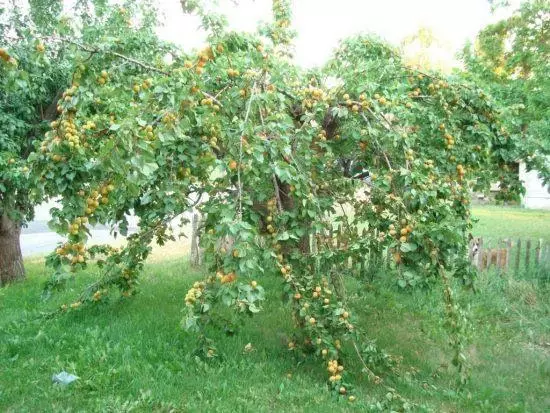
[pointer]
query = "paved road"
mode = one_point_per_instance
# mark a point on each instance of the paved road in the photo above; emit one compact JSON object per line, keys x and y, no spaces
{"x":38,"y":239}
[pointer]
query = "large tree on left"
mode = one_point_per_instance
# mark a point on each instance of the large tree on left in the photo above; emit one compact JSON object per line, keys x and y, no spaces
{"x":30,"y":77}
{"x":35,"y":68}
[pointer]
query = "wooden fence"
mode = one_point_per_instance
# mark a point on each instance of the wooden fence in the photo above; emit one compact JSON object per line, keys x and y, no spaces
{"x":520,"y":256}
{"x":508,"y":255}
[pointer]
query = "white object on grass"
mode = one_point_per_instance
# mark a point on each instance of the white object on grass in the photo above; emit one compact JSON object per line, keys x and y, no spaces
{"x":64,"y":378}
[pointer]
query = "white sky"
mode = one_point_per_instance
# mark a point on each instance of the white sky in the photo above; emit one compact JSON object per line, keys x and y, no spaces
{"x":322,"y":23}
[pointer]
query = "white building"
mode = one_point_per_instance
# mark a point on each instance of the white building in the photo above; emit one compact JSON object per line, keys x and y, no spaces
{"x":536,"y":195}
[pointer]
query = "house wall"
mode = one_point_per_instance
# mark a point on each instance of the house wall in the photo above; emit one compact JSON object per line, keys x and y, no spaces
{"x":536,"y":195}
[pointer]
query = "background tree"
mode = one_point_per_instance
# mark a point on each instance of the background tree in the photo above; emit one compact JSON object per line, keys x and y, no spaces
{"x":511,"y":59}
{"x":423,"y":50}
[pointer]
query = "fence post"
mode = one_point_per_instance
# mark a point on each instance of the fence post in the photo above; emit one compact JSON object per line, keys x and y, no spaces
{"x":537,"y":252}
{"x":508,"y":252}
{"x":518,"y":256}
{"x":480,"y":255}
{"x":499,"y":257}
{"x":527,"y":253}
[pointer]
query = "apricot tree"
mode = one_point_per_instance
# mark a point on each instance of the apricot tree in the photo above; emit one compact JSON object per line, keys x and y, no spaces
{"x":34,"y":71}
{"x":268,"y":151}
{"x":28,"y":87}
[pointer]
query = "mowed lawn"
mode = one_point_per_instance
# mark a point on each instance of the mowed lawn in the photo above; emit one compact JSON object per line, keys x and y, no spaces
{"x":132,"y":355}
{"x":500,"y":222}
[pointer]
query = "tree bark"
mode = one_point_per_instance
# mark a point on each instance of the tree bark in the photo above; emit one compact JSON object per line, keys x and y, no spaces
{"x":11,"y":259}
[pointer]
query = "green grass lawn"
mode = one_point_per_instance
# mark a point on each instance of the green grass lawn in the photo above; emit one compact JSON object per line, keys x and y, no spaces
{"x":506,"y":222}
{"x":131,"y":355}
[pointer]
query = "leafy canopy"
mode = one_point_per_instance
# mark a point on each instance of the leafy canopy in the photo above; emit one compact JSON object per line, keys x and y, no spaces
{"x":35,"y":68}
{"x":267,"y":152}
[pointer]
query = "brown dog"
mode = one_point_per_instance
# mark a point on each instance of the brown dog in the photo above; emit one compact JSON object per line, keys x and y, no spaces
{"x":494,"y":256}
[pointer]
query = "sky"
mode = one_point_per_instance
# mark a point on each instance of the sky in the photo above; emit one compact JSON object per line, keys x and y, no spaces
{"x":322,"y":23}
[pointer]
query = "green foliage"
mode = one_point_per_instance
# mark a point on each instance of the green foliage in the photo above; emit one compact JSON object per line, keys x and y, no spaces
{"x":511,"y":60}
{"x":35,"y":68}
{"x":30,"y":77}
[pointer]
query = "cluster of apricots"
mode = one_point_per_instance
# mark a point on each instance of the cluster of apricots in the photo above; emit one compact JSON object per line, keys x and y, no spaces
{"x":204,"y":56}
{"x":440,"y":84}
{"x":461,"y":171}
{"x":194,"y":293}
{"x":335,"y":371}
{"x":169,"y":118}
{"x":98,"y":295}
{"x":311,"y":95}
{"x":226,"y":278}
{"x":97,"y":197}
{"x":146,"y":84}
{"x":73,"y":252}
{"x":403,"y":233}
{"x":356,"y":106}
{"x":4,"y":55}
{"x":272,"y":210}
{"x":103,"y":77}
{"x":67,"y":131}
{"x":149,"y":133}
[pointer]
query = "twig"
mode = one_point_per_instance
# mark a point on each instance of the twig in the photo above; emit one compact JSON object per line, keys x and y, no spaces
{"x":277,"y":194}
{"x":365,"y":367}
{"x":93,"y":50}
{"x":378,"y":118}
{"x":376,"y":141}
{"x":137,"y":62}
{"x":208,"y":95}
{"x":221,"y":91}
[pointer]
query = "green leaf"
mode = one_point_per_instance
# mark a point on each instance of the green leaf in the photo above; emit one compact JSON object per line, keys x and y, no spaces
{"x":408,"y":247}
{"x":149,"y":168}
{"x":253,"y":308}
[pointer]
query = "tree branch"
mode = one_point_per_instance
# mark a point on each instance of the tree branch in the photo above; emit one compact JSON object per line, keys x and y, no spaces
{"x":376,"y":141}
{"x":93,"y":50}
{"x":208,"y":95}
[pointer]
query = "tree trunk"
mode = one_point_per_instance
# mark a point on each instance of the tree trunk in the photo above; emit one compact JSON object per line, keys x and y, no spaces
{"x":11,"y":259}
